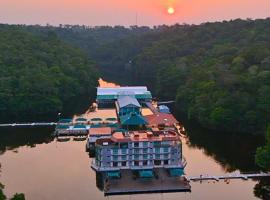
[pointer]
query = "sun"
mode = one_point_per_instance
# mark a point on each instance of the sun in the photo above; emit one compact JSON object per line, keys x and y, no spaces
{"x":170,"y":10}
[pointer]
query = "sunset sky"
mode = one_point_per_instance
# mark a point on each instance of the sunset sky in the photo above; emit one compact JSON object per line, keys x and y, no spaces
{"x":123,"y":12}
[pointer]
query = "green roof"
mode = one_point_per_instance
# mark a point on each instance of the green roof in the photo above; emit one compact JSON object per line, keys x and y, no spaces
{"x":81,"y":119}
{"x":79,"y":126}
{"x":96,"y":125}
{"x":112,"y":125}
{"x":62,"y":126}
{"x":65,"y":120}
{"x":96,"y":119}
{"x":176,"y":172}
{"x":133,"y":119}
{"x":111,"y":119}
{"x":137,"y":96}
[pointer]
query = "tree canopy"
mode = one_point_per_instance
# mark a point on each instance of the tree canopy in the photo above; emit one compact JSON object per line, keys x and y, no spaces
{"x":40,"y":74}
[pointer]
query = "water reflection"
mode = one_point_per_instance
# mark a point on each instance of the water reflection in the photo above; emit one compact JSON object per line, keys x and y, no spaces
{"x":12,"y":138}
{"x":61,"y":170}
{"x":231,"y":151}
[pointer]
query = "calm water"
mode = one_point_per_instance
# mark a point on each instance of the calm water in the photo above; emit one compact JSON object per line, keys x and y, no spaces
{"x":43,"y":169}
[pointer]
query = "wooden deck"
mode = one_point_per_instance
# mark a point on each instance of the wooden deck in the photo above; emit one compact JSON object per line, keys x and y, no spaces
{"x":128,"y":185}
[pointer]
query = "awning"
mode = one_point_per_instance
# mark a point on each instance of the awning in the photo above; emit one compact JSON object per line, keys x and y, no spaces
{"x":113,"y":174}
{"x":65,"y":121}
{"x":80,"y":119}
{"x":96,"y":119}
{"x":176,"y":172}
{"x":62,"y":127}
{"x":146,"y":173}
{"x":79,"y":126}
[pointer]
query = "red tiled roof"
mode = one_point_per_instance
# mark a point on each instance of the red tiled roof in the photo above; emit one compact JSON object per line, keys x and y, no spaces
{"x":161,"y":118}
{"x":100,"y":131}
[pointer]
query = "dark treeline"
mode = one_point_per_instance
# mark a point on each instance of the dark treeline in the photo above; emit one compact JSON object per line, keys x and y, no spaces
{"x":219,"y":73}
{"x":40,"y":75}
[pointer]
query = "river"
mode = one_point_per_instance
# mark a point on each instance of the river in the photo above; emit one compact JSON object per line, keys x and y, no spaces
{"x":43,"y":169}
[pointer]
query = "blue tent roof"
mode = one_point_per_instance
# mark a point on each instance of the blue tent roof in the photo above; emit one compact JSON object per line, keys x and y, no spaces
{"x":133,"y":119}
{"x":79,"y":126}
{"x":176,"y":172}
{"x":65,"y":120}
{"x":124,"y":101}
{"x":81,"y":119}
{"x":146,"y":173}
{"x":164,"y":109}
{"x":62,"y":127}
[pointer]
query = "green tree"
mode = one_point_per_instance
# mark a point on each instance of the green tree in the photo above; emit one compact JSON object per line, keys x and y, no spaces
{"x":262,"y":157}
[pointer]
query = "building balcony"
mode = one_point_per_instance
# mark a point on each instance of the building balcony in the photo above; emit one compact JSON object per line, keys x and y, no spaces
{"x":103,"y":169}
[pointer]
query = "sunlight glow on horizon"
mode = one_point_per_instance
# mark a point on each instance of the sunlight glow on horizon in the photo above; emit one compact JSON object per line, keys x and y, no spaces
{"x":122,"y":12}
{"x":171,"y":10}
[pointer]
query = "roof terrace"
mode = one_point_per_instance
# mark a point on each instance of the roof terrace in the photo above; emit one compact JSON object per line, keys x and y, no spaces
{"x":140,"y":136}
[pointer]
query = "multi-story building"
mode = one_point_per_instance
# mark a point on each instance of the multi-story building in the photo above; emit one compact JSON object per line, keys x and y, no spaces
{"x":139,"y":150}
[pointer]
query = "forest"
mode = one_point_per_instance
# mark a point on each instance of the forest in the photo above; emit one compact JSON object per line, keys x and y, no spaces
{"x":218,"y":73}
{"x":39,"y":75}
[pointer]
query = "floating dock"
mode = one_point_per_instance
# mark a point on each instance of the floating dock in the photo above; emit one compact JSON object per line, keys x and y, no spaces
{"x":127,"y":184}
{"x":30,"y":124}
{"x":227,"y":177}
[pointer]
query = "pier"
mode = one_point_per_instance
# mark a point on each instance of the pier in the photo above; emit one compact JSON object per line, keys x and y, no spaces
{"x":227,"y":177}
{"x":29,"y":124}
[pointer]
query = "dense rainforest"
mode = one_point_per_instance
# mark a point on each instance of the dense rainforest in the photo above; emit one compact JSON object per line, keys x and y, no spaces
{"x":219,"y":73}
{"x":40,"y":75}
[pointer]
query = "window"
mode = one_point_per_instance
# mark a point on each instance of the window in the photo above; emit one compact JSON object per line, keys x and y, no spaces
{"x":166,"y":162}
{"x":115,"y":157}
{"x":124,"y":151}
{"x":157,"y":150}
{"x":137,"y":151}
{"x":115,"y":164}
{"x":136,"y":144}
{"x":144,"y":150}
{"x":157,"y":162}
{"x":136,"y":156}
{"x":123,"y":145}
{"x":145,"y":144}
{"x":124,"y":164}
{"x":166,"y":150}
{"x":124,"y":157}
{"x":115,"y":151}
{"x":136,"y":163}
{"x":144,"y":163}
{"x":166,"y":156}
{"x":157,"y":143}
{"x":158,"y":156}
{"x":145,"y":156}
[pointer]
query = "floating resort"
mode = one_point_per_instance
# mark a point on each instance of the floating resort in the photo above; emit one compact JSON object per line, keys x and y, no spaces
{"x":135,"y":143}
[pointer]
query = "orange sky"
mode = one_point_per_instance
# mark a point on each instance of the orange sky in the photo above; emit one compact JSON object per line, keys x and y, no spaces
{"x":123,"y":12}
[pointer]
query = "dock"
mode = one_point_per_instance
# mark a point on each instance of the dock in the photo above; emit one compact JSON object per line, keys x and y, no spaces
{"x":29,"y":124}
{"x":227,"y":177}
{"x":127,"y":184}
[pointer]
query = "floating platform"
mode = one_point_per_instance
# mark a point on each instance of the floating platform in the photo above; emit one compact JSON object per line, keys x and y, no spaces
{"x":127,"y":184}
{"x":227,"y":177}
